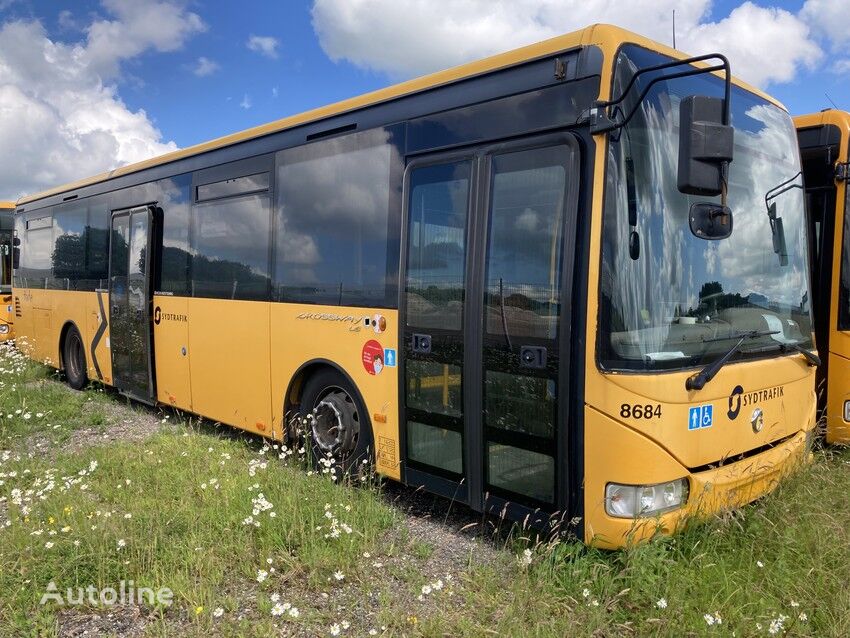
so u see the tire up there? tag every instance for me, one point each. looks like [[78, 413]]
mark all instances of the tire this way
[[74, 359], [339, 426]]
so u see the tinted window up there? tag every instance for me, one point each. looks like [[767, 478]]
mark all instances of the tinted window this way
[[68, 256], [231, 244], [97, 243], [337, 242], [524, 248], [175, 201], [36, 251], [439, 197], [80, 246]]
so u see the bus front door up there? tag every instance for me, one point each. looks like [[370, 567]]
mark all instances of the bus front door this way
[[488, 279], [129, 302]]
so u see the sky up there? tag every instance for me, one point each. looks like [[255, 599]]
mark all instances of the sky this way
[[90, 85]]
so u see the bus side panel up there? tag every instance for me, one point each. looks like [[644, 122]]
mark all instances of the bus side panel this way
[[837, 429], [7, 317], [44, 343], [67, 306], [303, 333], [96, 337], [229, 362], [24, 324], [171, 351]]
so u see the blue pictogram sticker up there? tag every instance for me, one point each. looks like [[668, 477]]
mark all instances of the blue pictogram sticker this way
[[389, 357], [701, 416]]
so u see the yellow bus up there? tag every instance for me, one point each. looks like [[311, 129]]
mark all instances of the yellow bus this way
[[7, 211], [542, 284], [824, 150]]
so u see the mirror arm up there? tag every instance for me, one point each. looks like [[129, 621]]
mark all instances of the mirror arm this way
[[779, 189], [600, 122]]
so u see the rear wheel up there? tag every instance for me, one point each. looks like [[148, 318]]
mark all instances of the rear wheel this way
[[338, 427], [74, 359]]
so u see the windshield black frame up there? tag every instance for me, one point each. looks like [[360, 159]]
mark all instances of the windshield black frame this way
[[695, 327], [6, 248]]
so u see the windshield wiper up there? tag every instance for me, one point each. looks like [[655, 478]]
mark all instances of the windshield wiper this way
[[698, 381], [811, 357]]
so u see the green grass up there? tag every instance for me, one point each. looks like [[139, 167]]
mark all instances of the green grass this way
[[180, 498], [33, 404]]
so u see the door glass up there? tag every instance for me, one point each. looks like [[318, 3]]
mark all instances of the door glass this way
[[522, 305], [524, 247], [436, 255], [439, 198], [138, 329], [118, 300]]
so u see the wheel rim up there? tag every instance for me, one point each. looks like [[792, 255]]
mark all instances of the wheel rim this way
[[75, 353], [335, 423]]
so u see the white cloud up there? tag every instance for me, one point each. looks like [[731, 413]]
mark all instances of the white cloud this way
[[139, 25], [841, 66], [246, 102], [66, 21], [264, 45], [61, 117], [829, 18], [204, 67], [765, 45], [411, 37]]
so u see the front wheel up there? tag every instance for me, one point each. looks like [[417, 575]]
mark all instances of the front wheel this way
[[338, 425], [74, 360]]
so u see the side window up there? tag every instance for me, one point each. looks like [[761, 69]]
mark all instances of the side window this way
[[231, 242], [337, 232], [175, 201], [36, 259], [68, 250], [97, 243], [68, 257]]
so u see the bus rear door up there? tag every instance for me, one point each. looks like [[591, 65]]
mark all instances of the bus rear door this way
[[130, 302]]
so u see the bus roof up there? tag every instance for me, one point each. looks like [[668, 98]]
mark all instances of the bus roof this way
[[839, 118], [607, 37]]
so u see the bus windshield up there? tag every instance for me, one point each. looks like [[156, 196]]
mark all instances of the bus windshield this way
[[682, 300]]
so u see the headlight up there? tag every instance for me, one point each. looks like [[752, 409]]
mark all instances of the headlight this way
[[847, 411], [4, 329], [632, 501]]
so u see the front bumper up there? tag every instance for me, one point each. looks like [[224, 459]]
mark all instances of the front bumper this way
[[711, 491]]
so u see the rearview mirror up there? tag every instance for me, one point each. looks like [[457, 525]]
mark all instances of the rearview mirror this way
[[710, 221], [705, 145], [777, 228]]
